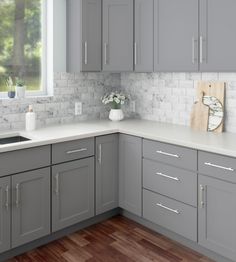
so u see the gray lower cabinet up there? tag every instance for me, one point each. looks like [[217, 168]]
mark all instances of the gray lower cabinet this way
[[106, 173], [217, 35], [217, 216], [5, 214], [72, 193], [117, 35], [130, 174], [143, 36], [176, 35], [30, 206]]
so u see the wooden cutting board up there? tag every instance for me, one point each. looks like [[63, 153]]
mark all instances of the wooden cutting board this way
[[200, 115]]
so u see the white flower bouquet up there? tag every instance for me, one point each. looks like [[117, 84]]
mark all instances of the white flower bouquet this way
[[114, 99]]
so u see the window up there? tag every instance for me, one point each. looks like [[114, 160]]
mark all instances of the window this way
[[23, 43]]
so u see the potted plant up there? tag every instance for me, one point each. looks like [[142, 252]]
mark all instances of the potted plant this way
[[10, 87], [20, 88], [115, 100]]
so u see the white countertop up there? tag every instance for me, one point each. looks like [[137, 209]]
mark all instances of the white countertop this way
[[224, 143]]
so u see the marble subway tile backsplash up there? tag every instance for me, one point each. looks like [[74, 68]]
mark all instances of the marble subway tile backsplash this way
[[68, 88]]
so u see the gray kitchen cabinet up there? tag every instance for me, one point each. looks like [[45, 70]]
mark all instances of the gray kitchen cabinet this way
[[117, 35], [176, 35], [106, 173], [72, 193], [30, 206], [130, 173], [217, 35], [143, 36], [217, 216], [5, 214]]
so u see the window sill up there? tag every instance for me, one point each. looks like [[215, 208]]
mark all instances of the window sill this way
[[6, 98]]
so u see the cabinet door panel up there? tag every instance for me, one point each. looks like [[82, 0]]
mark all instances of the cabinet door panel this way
[[176, 35], [106, 173], [217, 216], [130, 173], [117, 35], [5, 214], [143, 46], [72, 193], [217, 29], [31, 206]]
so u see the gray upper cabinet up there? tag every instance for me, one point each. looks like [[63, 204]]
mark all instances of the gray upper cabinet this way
[[143, 42], [106, 173], [117, 35], [217, 35], [72, 193], [5, 218], [31, 206], [217, 216], [130, 174], [176, 35]]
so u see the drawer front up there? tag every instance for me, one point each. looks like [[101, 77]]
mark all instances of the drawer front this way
[[72, 150], [171, 214], [170, 181], [218, 166], [23, 160], [170, 154]]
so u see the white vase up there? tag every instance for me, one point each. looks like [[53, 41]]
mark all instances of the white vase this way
[[116, 115], [20, 91]]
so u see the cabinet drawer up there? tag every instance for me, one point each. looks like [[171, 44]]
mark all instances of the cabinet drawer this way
[[170, 154], [23, 160], [170, 181], [72, 150], [171, 214], [222, 167]]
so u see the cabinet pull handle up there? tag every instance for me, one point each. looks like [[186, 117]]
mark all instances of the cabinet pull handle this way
[[170, 177], [193, 50], [220, 167], [57, 184], [76, 151], [135, 53], [202, 189], [167, 154], [85, 52], [100, 154], [201, 49], [17, 195], [176, 211], [105, 53], [7, 197]]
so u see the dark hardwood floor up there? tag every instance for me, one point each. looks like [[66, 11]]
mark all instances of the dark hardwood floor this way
[[116, 239]]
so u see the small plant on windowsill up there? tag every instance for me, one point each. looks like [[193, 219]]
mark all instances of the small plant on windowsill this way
[[20, 88], [10, 87], [115, 100]]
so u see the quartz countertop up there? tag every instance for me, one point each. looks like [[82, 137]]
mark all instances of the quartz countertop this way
[[223, 143]]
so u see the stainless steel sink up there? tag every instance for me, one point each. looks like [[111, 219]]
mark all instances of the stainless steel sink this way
[[13, 139]]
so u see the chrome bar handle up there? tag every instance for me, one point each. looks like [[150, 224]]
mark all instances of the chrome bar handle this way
[[105, 53], [202, 189], [85, 52], [201, 49], [167, 154], [135, 53], [166, 176], [76, 151], [176, 211], [100, 154], [7, 197], [193, 50], [220, 167], [57, 184], [17, 195]]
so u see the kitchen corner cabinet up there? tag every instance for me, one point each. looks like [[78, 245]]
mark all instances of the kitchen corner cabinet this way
[[106, 173], [5, 214], [31, 206], [72, 193], [217, 216], [217, 35], [143, 36], [117, 35], [130, 174], [176, 35]]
